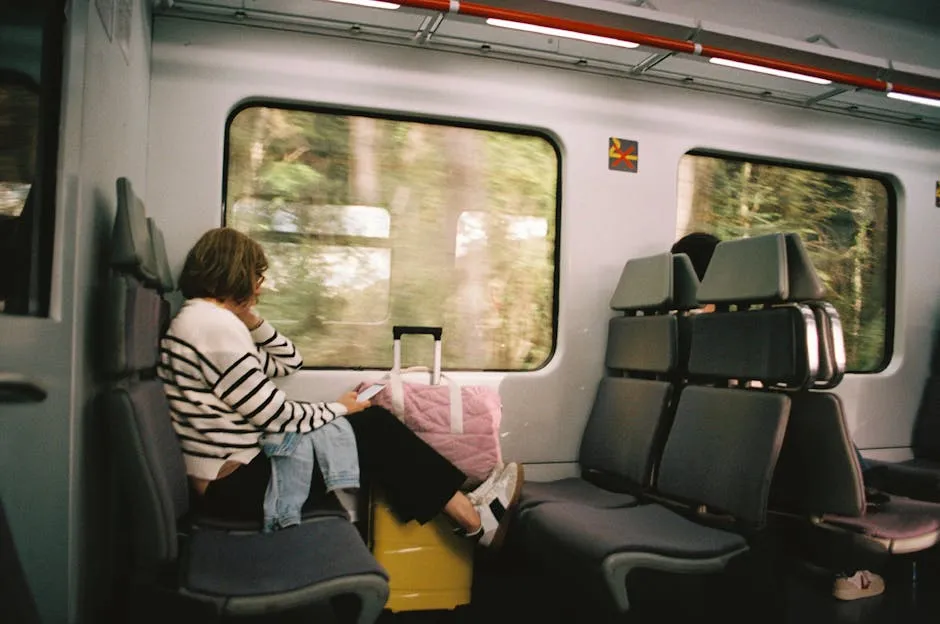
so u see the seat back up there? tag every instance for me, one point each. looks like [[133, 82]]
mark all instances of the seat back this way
[[726, 438], [147, 452], [722, 450], [817, 470], [628, 420]]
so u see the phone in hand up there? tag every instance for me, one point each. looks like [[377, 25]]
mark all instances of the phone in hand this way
[[370, 392]]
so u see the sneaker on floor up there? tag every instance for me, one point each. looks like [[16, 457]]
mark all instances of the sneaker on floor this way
[[495, 505], [862, 584]]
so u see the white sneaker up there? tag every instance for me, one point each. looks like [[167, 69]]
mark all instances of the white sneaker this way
[[481, 490], [862, 584], [495, 505]]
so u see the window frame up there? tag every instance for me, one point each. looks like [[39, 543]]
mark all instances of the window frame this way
[[891, 211], [434, 120]]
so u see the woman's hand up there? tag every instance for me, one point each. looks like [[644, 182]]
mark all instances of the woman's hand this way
[[352, 405], [246, 314]]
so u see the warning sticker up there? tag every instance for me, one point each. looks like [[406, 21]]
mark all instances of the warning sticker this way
[[623, 155]]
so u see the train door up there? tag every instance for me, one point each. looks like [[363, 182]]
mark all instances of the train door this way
[[35, 339]]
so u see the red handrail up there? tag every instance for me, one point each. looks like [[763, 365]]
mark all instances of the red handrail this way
[[665, 43]]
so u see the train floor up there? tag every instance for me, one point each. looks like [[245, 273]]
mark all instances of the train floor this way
[[508, 591]]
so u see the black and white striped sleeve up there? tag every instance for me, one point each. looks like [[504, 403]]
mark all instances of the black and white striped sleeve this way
[[237, 379], [279, 356]]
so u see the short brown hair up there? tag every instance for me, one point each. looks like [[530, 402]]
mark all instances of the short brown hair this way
[[223, 264]]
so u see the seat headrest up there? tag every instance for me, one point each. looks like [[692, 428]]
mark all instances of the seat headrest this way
[[805, 284], [645, 284], [162, 261], [773, 268], [660, 283], [132, 250]]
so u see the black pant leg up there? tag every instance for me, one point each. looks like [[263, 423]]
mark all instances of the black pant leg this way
[[240, 495], [416, 478]]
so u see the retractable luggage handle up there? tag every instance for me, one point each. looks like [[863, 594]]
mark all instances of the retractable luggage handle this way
[[395, 380], [402, 330]]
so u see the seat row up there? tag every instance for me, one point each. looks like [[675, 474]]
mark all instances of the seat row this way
[[176, 559], [711, 430]]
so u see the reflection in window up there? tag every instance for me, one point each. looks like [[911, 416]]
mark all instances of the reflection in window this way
[[13, 198], [370, 223], [844, 221]]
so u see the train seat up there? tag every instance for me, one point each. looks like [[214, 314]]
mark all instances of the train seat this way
[[818, 479], [712, 484], [625, 429], [173, 560], [819, 487]]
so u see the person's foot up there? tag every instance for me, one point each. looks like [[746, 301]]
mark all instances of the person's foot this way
[[495, 505], [862, 584], [481, 490]]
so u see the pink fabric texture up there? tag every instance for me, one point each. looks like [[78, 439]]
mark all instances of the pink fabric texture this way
[[476, 451]]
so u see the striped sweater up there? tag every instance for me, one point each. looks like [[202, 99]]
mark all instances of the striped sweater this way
[[217, 378]]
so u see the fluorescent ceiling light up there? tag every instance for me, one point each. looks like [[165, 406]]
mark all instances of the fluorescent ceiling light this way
[[374, 4], [913, 98], [558, 32], [768, 70]]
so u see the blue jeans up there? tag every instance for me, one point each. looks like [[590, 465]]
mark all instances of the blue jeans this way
[[292, 458]]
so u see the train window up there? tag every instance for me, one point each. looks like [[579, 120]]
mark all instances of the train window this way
[[19, 122], [372, 222], [30, 86], [845, 220]]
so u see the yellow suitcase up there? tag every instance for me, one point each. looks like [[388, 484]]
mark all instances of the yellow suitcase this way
[[428, 566]]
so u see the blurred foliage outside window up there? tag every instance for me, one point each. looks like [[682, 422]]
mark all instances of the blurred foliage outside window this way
[[369, 223], [843, 221]]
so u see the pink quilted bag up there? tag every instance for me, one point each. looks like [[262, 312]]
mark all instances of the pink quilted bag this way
[[461, 423]]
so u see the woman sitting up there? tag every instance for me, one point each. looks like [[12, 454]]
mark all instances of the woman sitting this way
[[217, 361]]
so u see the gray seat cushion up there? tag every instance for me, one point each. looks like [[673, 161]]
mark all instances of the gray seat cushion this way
[[595, 549], [571, 534], [572, 490], [898, 525], [245, 565]]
